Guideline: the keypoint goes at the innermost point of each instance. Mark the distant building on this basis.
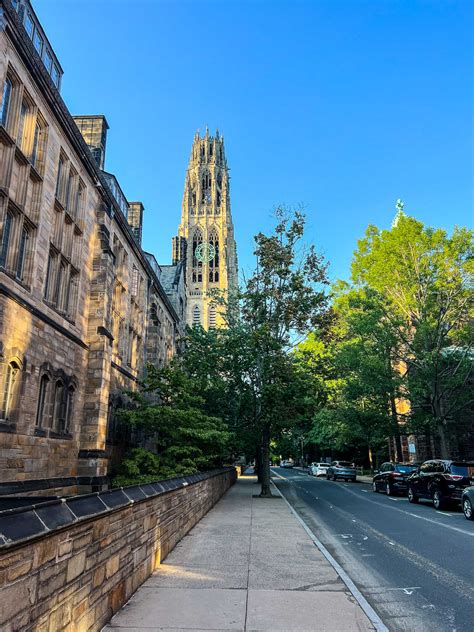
(205, 241)
(82, 307)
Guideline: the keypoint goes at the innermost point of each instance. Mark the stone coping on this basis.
(22, 524)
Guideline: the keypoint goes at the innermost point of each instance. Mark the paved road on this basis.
(413, 564)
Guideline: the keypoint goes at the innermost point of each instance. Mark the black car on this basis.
(392, 478)
(441, 481)
(468, 502)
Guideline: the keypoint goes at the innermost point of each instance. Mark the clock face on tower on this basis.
(205, 252)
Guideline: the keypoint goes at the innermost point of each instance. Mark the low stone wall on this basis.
(75, 577)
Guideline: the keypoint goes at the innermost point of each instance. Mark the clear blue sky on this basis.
(340, 106)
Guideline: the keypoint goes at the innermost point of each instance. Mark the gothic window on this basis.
(6, 97)
(22, 253)
(212, 317)
(22, 136)
(59, 408)
(219, 179)
(9, 389)
(7, 230)
(70, 394)
(197, 265)
(196, 316)
(206, 187)
(202, 151)
(218, 198)
(214, 263)
(41, 417)
(210, 149)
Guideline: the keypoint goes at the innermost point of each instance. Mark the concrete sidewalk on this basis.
(249, 566)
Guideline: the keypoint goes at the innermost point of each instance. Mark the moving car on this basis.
(318, 469)
(468, 502)
(286, 464)
(341, 469)
(392, 478)
(441, 481)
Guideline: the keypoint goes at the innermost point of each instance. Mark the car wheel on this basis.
(388, 489)
(467, 509)
(412, 497)
(374, 487)
(438, 500)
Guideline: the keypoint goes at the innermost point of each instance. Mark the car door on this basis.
(423, 481)
(382, 475)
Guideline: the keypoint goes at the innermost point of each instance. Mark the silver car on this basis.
(318, 469)
(342, 469)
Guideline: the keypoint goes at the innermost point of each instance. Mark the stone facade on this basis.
(75, 577)
(82, 309)
(205, 240)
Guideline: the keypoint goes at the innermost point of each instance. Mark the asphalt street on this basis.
(413, 564)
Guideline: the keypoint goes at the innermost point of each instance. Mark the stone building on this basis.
(82, 307)
(205, 240)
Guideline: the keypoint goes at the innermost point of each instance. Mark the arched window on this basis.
(219, 180)
(212, 317)
(197, 265)
(214, 263)
(206, 182)
(41, 417)
(210, 149)
(68, 416)
(59, 406)
(196, 316)
(9, 387)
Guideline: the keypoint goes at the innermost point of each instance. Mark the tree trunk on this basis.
(396, 428)
(266, 492)
(443, 441)
(258, 463)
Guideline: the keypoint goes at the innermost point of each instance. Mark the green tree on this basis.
(424, 278)
(172, 415)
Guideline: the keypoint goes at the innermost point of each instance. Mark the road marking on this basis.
(392, 543)
(366, 537)
(358, 596)
(394, 499)
(443, 513)
(364, 491)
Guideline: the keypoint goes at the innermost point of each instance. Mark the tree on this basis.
(283, 299)
(171, 415)
(423, 277)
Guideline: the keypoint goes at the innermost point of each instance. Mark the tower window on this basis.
(197, 265)
(210, 150)
(196, 316)
(214, 263)
(212, 318)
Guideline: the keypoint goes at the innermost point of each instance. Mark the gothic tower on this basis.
(205, 238)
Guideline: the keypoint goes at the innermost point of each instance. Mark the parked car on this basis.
(392, 478)
(441, 481)
(286, 464)
(341, 469)
(318, 469)
(468, 502)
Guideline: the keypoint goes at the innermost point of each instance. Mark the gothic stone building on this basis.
(205, 238)
(82, 307)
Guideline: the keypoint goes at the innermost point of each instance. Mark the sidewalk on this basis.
(247, 566)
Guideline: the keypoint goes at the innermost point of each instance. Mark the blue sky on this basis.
(340, 106)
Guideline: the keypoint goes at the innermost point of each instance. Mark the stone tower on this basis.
(205, 238)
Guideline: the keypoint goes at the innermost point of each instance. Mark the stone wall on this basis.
(74, 578)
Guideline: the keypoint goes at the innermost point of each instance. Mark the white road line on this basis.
(358, 596)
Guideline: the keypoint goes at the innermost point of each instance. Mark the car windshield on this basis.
(344, 464)
(462, 470)
(323, 464)
(405, 468)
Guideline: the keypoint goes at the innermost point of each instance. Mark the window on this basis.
(38, 144)
(38, 42)
(29, 24)
(196, 316)
(43, 393)
(55, 75)
(21, 138)
(212, 317)
(70, 188)
(77, 207)
(69, 409)
(134, 282)
(20, 265)
(197, 265)
(7, 92)
(11, 377)
(7, 227)
(214, 263)
(47, 59)
(59, 180)
(59, 406)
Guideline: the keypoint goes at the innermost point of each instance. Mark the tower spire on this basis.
(207, 230)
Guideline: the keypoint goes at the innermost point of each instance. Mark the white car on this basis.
(318, 469)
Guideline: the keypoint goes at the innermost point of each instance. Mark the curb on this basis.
(373, 617)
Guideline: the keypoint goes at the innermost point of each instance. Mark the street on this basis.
(414, 565)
